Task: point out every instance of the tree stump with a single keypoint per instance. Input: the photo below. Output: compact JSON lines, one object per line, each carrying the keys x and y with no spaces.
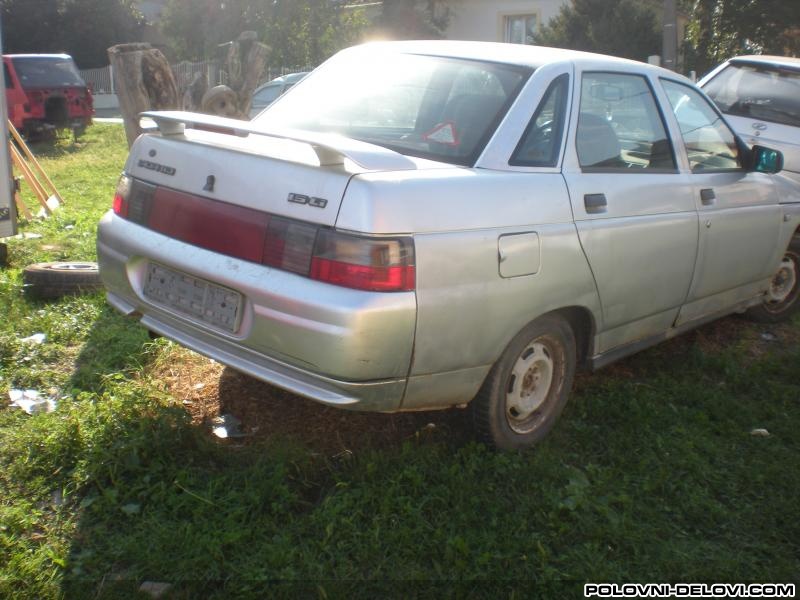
{"x":143,"y":81}
{"x":244,"y":61}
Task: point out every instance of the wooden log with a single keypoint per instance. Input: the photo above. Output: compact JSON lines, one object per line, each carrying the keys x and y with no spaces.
{"x":144,"y":81}
{"x":32,"y":159}
{"x":246,"y":60}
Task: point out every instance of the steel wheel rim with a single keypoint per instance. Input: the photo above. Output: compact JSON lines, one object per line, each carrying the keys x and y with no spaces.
{"x":784,"y":283}
{"x":72,"y":266}
{"x":529,"y":385}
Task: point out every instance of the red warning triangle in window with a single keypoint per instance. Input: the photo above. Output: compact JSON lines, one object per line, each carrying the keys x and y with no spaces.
{"x":443,"y":133}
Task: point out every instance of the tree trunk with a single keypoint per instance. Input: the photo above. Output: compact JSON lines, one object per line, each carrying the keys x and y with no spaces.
{"x":143,"y":81}
{"x":245,"y":60}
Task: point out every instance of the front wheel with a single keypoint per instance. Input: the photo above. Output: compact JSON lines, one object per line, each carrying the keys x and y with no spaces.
{"x":783,"y":297}
{"x":527,"y":388}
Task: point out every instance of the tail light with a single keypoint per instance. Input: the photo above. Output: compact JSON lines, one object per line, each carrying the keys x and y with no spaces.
{"x":364,"y":263}
{"x":121,"y":196}
{"x":355,"y":261}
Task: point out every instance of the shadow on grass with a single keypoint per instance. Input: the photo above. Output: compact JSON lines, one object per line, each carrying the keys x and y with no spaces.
{"x":651,"y":476}
{"x":115,"y":344}
{"x":267,"y":412}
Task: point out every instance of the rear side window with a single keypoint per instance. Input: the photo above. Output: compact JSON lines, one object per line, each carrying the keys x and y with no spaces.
{"x":710,"y":144}
{"x":765,"y":93}
{"x":541,"y":143}
{"x":620,"y":126}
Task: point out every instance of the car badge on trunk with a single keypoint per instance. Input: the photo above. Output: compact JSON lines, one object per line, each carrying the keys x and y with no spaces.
{"x":153,"y":166}
{"x":309,"y":200}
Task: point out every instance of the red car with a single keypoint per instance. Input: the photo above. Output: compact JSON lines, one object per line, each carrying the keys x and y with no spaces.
{"x":45,"y":92}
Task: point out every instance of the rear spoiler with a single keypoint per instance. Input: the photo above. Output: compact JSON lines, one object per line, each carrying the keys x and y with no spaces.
{"x":330,"y":149}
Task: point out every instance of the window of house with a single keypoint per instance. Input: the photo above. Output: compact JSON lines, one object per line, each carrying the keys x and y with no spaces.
{"x":520,"y":29}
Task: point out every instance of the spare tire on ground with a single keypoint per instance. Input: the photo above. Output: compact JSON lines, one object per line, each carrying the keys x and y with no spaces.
{"x":57,"y":279}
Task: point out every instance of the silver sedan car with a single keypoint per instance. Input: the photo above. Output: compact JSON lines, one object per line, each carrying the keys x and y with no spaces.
{"x":420,"y":225}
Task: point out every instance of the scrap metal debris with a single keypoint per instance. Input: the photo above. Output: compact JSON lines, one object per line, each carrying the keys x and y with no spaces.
{"x":227,"y":426}
{"x":760,"y":433}
{"x":31,"y":401}
{"x":155,"y":589}
{"x":36,"y":338}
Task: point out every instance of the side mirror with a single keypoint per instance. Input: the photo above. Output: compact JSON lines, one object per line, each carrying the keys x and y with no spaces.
{"x":766,"y":160}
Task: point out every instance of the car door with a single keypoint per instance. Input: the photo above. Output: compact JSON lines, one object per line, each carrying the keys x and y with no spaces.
{"x":739,"y":214}
{"x":633,"y":208}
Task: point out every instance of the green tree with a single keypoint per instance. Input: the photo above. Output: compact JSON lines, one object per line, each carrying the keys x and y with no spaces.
{"x":626,"y":28}
{"x":82,"y":28}
{"x":197,"y":28}
{"x":306,"y":32}
{"x":719,"y":29}
{"x":413,"y":19}
{"x":300,"y":32}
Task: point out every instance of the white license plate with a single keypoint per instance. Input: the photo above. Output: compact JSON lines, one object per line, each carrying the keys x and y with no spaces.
{"x":211,"y":303}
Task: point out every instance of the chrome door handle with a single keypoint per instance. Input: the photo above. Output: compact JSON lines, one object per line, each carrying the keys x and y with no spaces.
{"x":707,"y":197}
{"x":595,"y":203}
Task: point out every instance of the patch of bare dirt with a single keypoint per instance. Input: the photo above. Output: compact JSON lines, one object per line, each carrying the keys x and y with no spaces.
{"x":208,"y":390}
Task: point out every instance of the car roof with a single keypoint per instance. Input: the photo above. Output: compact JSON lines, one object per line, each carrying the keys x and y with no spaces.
{"x":288,"y":78}
{"x":513,"y":54}
{"x":37,"y":56}
{"x":764,"y":59}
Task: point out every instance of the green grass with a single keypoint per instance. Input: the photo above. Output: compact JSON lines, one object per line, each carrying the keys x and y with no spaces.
{"x":651,"y":475}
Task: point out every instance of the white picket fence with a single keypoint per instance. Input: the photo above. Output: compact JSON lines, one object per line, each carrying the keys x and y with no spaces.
{"x":102,"y":80}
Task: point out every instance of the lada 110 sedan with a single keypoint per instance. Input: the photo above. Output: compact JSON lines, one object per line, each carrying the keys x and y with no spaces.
{"x":417,"y":225}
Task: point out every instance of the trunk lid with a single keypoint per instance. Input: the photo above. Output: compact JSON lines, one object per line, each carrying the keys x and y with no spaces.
{"x":297,"y":175}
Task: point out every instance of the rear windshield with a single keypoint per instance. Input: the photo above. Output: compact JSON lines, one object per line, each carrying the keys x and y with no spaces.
{"x":47,"y":71}
{"x":427,"y":106}
{"x":760,"y":92}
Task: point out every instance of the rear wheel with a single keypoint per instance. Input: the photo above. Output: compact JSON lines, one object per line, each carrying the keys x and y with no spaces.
{"x":783,"y":297}
{"x":527,"y":388}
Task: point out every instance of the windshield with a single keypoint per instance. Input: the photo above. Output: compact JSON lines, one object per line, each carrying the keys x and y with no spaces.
{"x":47,"y":71}
{"x":760,"y":92}
{"x":432,"y":107}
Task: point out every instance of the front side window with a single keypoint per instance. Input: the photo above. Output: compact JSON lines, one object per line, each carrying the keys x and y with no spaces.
{"x":710,"y":143}
{"x":620,"y":126}
{"x":520,"y":29}
{"x":541,"y":143}
{"x":763,"y":92}
{"x":427,"y":106}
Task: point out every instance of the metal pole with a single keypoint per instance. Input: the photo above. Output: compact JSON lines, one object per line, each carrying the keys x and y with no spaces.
{"x":669,"y":46}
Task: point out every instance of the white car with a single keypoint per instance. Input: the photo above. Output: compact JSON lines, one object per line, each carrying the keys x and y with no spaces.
{"x":266,"y":94}
{"x":426,"y":224}
{"x":760,"y":96}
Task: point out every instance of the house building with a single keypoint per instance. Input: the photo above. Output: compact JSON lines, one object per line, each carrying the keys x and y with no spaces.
{"x":514,"y":21}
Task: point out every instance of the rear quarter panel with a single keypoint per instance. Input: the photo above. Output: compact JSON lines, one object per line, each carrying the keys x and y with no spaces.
{"x":467,"y":313}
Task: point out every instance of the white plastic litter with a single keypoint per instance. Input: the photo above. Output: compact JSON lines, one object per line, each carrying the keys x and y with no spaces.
{"x":36,"y":338}
{"x":226,"y":426}
{"x":31,"y":401}
{"x":760,"y":433}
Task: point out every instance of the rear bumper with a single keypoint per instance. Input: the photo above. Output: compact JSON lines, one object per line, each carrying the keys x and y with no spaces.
{"x":342,"y":347}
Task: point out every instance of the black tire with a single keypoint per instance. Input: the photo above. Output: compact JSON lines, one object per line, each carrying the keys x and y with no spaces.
{"x":783,"y":299}
{"x":512,"y":412}
{"x":57,"y":279}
